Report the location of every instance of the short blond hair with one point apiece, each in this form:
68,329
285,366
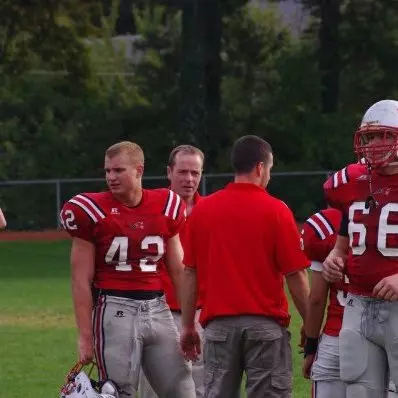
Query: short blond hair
133,150
188,150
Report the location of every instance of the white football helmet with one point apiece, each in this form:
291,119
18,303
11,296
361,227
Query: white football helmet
79,385
376,139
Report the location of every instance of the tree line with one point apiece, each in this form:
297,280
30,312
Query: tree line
210,72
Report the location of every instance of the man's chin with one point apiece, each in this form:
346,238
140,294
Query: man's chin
116,190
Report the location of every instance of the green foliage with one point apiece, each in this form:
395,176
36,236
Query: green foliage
68,92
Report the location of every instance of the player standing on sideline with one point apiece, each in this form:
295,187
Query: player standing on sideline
184,172
241,243
3,222
122,238
367,194
318,236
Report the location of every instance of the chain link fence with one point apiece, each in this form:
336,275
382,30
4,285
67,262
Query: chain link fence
35,204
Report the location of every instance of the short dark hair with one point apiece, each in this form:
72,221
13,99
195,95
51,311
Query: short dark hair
187,149
248,151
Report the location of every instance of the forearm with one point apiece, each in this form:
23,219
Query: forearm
299,289
188,297
3,222
83,305
314,318
176,276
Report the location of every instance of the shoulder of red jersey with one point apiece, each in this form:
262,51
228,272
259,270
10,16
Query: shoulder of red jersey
89,204
319,233
80,213
338,188
324,223
172,205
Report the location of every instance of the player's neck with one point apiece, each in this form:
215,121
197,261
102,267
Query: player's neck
189,201
247,179
131,199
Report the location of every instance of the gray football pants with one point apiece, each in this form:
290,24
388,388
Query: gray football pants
146,391
325,371
369,346
129,334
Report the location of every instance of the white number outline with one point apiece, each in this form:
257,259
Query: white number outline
384,229
69,222
120,244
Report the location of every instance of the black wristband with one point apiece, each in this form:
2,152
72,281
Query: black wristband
311,345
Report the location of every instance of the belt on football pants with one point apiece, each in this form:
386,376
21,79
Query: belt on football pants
179,310
133,294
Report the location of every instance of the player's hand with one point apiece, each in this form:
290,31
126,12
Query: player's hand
190,344
307,365
387,288
86,350
333,266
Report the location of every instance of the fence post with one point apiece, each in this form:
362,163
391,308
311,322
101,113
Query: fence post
58,199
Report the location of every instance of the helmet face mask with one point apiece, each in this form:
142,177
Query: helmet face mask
376,140
377,144
79,385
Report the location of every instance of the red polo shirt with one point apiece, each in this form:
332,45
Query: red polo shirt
242,241
167,283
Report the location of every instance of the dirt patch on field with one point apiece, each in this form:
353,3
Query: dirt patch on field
50,235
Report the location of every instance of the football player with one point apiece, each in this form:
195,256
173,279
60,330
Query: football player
321,362
367,245
121,241
184,172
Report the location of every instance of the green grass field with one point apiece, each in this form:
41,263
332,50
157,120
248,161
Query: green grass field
37,335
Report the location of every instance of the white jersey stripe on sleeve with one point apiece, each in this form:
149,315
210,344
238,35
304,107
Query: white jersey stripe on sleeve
317,228
169,203
85,209
325,222
335,180
176,207
94,208
344,175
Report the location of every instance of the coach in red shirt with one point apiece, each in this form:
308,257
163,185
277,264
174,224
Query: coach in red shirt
241,244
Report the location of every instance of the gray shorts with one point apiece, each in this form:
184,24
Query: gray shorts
256,345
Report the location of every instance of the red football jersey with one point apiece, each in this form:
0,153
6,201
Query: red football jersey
130,242
318,236
169,290
373,233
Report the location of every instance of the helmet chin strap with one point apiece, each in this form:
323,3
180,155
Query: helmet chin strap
370,202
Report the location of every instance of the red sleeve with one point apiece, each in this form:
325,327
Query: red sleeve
290,258
76,221
189,241
338,188
314,247
319,233
175,211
